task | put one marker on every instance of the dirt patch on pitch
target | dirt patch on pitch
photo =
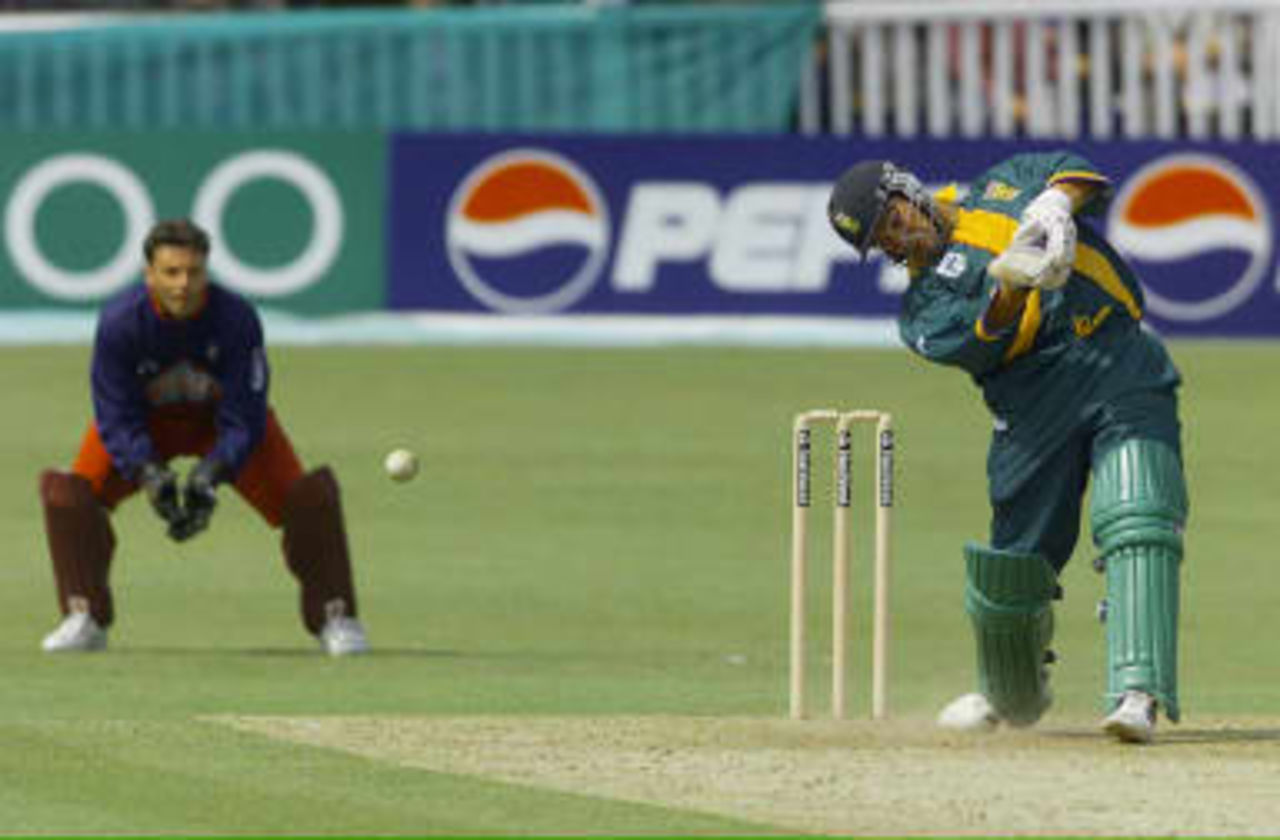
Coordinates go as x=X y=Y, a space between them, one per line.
x=899 y=778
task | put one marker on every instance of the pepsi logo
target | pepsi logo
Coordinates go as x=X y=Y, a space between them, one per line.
x=1198 y=231
x=527 y=232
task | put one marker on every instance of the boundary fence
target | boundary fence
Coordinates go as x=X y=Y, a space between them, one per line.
x=1164 y=69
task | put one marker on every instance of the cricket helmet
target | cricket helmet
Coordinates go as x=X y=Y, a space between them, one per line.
x=862 y=193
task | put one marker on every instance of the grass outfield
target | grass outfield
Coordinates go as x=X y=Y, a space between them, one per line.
x=594 y=533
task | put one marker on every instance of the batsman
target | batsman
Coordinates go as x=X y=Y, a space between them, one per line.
x=179 y=368
x=1045 y=317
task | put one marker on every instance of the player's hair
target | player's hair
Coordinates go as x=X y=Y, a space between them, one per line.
x=178 y=233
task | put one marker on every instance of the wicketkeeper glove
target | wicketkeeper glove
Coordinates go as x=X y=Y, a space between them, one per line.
x=161 y=487
x=199 y=499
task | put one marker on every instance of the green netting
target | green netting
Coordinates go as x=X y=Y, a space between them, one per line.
x=682 y=68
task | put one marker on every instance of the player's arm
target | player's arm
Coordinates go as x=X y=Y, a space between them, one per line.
x=120 y=413
x=1080 y=193
x=244 y=377
x=1087 y=188
x=119 y=404
x=1068 y=185
x=1065 y=170
x=944 y=322
x=1005 y=309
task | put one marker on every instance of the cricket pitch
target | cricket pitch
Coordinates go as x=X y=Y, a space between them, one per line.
x=902 y=777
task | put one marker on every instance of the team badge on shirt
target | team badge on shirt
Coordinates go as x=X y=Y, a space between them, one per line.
x=952 y=265
x=1000 y=191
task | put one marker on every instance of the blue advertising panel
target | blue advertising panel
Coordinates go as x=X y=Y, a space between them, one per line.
x=737 y=225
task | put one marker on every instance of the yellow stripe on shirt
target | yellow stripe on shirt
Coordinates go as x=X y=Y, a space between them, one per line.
x=950 y=194
x=984 y=229
x=1092 y=264
x=980 y=329
x=1028 y=326
x=1079 y=175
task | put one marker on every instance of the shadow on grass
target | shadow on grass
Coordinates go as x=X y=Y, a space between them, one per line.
x=1219 y=736
x=1175 y=736
x=377 y=653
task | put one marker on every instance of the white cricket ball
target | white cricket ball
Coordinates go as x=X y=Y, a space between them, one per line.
x=401 y=464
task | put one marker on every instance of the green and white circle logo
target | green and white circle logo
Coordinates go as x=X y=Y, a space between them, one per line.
x=107 y=256
x=38 y=186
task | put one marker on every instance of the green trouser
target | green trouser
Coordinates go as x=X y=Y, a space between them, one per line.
x=1008 y=597
x=1138 y=508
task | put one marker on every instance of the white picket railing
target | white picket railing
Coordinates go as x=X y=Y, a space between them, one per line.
x=1086 y=68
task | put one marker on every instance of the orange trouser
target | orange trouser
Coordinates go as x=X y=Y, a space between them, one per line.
x=263 y=482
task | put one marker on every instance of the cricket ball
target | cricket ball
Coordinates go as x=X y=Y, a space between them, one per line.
x=401 y=464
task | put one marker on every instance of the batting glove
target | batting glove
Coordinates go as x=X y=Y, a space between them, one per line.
x=1047 y=227
x=161 y=487
x=199 y=499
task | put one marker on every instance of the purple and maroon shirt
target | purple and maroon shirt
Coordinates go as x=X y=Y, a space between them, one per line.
x=212 y=364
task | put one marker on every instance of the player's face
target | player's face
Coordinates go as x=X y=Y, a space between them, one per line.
x=906 y=234
x=177 y=280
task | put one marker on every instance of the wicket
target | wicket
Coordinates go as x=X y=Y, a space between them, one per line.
x=802 y=445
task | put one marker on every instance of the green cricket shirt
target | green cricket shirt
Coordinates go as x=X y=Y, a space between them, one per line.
x=1072 y=350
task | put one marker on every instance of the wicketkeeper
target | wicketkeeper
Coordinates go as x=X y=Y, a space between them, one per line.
x=179 y=368
x=1045 y=316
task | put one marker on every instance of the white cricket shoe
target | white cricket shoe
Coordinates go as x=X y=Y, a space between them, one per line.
x=1134 y=719
x=78 y=633
x=343 y=636
x=969 y=713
